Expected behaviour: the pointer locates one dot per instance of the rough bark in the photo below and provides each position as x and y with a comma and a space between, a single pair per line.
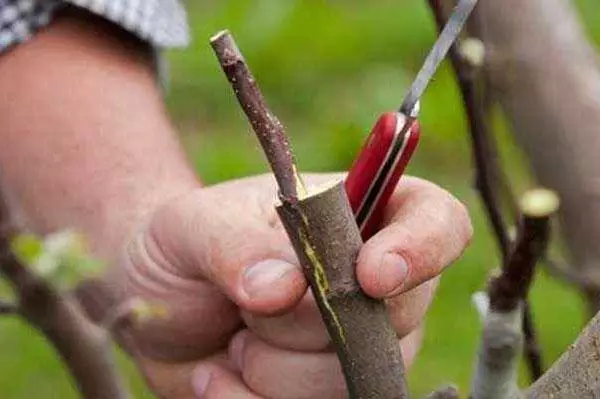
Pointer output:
546, 75
577, 373
327, 241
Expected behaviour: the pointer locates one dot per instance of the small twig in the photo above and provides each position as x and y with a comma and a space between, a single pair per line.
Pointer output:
326, 239
533, 353
8, 308
79, 342
512, 286
483, 154
267, 127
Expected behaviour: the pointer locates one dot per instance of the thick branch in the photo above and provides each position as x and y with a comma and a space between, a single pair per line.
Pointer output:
267, 127
577, 373
80, 343
326, 239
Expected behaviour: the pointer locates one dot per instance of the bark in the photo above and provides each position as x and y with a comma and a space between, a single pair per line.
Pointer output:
327, 241
266, 125
546, 76
577, 373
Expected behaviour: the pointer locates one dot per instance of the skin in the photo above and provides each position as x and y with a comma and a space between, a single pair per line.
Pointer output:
80, 99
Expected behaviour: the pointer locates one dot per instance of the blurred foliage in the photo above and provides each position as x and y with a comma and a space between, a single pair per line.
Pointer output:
328, 68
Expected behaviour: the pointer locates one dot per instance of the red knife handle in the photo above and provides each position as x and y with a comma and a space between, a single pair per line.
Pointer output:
378, 168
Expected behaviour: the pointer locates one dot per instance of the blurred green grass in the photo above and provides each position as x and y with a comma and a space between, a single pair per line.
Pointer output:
328, 69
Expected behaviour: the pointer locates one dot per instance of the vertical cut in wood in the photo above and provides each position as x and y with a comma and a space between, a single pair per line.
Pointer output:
327, 241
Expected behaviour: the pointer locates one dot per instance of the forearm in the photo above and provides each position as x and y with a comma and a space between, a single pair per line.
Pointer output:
85, 139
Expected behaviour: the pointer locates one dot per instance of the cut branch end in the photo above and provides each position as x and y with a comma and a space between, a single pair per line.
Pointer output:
472, 51
539, 203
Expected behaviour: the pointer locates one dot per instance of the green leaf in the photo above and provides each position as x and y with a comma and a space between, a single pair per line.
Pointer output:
27, 248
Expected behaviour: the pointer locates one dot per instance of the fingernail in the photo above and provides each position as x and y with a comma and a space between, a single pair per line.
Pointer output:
393, 270
236, 350
200, 380
261, 278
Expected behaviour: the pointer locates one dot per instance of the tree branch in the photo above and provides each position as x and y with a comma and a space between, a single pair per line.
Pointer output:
80, 343
489, 178
484, 155
575, 373
326, 239
512, 286
496, 372
267, 127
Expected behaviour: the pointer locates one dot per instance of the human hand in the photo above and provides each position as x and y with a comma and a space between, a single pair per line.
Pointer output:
240, 321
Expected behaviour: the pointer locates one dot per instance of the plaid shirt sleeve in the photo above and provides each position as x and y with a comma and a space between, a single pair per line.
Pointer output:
162, 23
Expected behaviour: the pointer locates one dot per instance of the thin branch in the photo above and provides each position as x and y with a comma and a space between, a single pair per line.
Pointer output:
79, 342
531, 348
489, 179
267, 127
483, 155
326, 239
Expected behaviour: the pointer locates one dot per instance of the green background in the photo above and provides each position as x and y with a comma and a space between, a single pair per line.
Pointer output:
328, 69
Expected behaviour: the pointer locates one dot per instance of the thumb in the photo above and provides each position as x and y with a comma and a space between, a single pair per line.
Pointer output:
228, 236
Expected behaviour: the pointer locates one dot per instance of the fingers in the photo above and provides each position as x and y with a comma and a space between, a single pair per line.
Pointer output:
426, 229
216, 380
205, 253
282, 374
407, 310
302, 329
272, 372
213, 235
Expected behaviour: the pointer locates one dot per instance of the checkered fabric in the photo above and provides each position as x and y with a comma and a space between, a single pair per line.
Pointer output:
162, 23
